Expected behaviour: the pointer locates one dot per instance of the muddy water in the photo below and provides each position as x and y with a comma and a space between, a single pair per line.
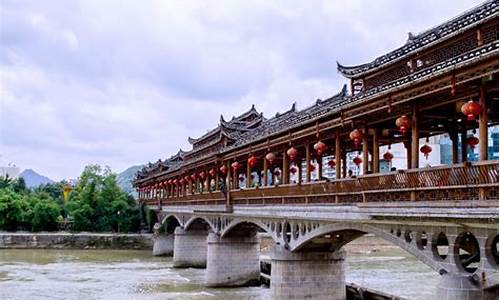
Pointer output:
126, 274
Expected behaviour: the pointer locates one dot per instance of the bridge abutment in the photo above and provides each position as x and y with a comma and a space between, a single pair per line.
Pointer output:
232, 261
307, 275
190, 248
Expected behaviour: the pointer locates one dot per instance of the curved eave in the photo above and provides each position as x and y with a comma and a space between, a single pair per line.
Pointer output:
416, 43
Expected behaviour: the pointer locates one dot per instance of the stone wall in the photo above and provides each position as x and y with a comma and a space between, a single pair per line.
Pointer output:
65, 240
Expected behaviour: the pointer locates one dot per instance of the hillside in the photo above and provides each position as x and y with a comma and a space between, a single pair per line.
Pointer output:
33, 179
125, 179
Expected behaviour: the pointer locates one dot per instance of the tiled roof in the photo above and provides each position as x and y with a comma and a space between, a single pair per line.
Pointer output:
468, 19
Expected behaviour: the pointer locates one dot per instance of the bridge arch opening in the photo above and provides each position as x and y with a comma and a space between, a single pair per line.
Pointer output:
440, 246
492, 250
170, 223
467, 252
197, 223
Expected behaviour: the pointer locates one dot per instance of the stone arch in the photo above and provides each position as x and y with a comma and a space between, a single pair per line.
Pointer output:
224, 232
411, 248
170, 222
168, 216
202, 219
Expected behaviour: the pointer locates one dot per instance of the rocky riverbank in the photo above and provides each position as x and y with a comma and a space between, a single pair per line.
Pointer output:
67, 240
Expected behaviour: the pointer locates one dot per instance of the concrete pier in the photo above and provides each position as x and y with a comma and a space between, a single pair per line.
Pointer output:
307, 275
190, 248
232, 261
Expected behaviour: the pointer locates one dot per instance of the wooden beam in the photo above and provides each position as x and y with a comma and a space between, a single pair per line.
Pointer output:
483, 125
414, 137
376, 151
249, 176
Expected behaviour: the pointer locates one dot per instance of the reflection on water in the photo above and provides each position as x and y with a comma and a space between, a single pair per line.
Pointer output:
129, 274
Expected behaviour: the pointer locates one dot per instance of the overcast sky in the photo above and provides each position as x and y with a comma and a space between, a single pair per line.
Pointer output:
121, 83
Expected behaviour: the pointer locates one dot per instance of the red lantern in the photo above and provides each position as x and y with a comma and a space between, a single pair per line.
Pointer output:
403, 123
277, 173
181, 181
252, 161
271, 157
213, 172
472, 141
388, 156
426, 149
471, 109
292, 153
193, 176
223, 170
165, 183
202, 175
311, 167
293, 170
187, 178
236, 166
357, 160
176, 181
356, 135
332, 163
320, 148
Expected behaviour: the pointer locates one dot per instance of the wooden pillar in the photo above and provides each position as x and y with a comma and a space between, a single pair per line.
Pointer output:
463, 140
408, 154
365, 152
376, 152
265, 171
483, 125
338, 159
415, 136
229, 176
207, 179
216, 176
320, 167
286, 169
299, 169
454, 142
249, 176
344, 164
308, 161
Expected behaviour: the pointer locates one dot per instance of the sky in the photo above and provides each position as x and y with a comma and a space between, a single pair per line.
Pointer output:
122, 83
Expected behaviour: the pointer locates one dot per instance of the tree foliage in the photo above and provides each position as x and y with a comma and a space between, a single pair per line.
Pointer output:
96, 204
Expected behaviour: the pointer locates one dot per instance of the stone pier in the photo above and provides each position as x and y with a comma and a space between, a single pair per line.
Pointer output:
190, 248
463, 287
233, 261
163, 245
307, 275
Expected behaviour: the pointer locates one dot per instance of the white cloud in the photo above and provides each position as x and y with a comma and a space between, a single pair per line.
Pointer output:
126, 82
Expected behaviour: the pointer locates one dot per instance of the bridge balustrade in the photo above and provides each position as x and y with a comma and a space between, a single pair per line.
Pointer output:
466, 181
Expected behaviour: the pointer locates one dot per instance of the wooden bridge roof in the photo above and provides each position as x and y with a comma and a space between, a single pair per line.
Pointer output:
415, 43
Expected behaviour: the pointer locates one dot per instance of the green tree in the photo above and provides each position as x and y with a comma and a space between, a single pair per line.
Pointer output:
19, 186
14, 209
5, 181
44, 212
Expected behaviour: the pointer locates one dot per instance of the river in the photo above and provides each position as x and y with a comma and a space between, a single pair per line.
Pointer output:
129, 274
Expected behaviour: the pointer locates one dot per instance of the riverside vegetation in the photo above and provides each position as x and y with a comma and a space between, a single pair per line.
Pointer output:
96, 204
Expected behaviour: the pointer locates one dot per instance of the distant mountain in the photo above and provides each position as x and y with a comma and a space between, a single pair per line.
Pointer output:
125, 179
33, 179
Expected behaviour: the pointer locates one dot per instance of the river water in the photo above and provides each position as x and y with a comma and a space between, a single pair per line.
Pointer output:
128, 274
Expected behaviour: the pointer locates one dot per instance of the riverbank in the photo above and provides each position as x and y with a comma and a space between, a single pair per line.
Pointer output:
81, 240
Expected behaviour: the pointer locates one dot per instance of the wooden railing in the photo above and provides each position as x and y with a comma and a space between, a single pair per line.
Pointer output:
467, 181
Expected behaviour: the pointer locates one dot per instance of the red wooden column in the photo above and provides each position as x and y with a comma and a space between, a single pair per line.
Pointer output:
483, 125
308, 161
344, 163
414, 137
463, 139
286, 169
376, 152
265, 172
365, 151
249, 175
338, 159
216, 176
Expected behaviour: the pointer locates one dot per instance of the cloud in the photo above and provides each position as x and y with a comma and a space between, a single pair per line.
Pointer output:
122, 83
